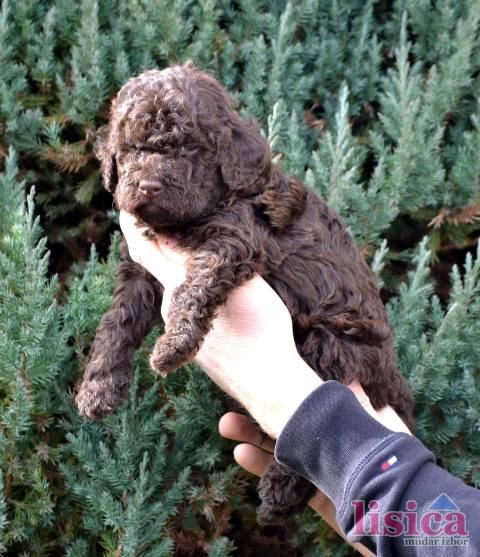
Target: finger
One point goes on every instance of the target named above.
(252, 459)
(239, 428)
(166, 243)
(166, 299)
(160, 257)
(130, 227)
(141, 249)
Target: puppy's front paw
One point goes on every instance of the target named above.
(171, 351)
(99, 397)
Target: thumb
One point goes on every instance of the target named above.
(159, 256)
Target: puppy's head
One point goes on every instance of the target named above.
(175, 148)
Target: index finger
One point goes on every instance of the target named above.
(239, 428)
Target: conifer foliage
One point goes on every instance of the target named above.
(373, 104)
(140, 484)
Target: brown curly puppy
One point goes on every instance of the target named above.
(179, 157)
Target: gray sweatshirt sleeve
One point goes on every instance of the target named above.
(389, 493)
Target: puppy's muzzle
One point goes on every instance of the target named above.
(150, 188)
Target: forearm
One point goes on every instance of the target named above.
(358, 462)
(249, 385)
(330, 439)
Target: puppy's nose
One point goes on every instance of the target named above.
(150, 187)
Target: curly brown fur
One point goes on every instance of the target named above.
(178, 156)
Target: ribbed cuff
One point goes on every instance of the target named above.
(328, 438)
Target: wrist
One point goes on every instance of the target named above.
(269, 385)
(291, 381)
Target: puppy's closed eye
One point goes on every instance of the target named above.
(189, 150)
(140, 149)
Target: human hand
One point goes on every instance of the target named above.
(250, 352)
(255, 455)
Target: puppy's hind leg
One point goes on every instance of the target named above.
(282, 493)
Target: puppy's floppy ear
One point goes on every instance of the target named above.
(244, 156)
(283, 199)
(106, 156)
